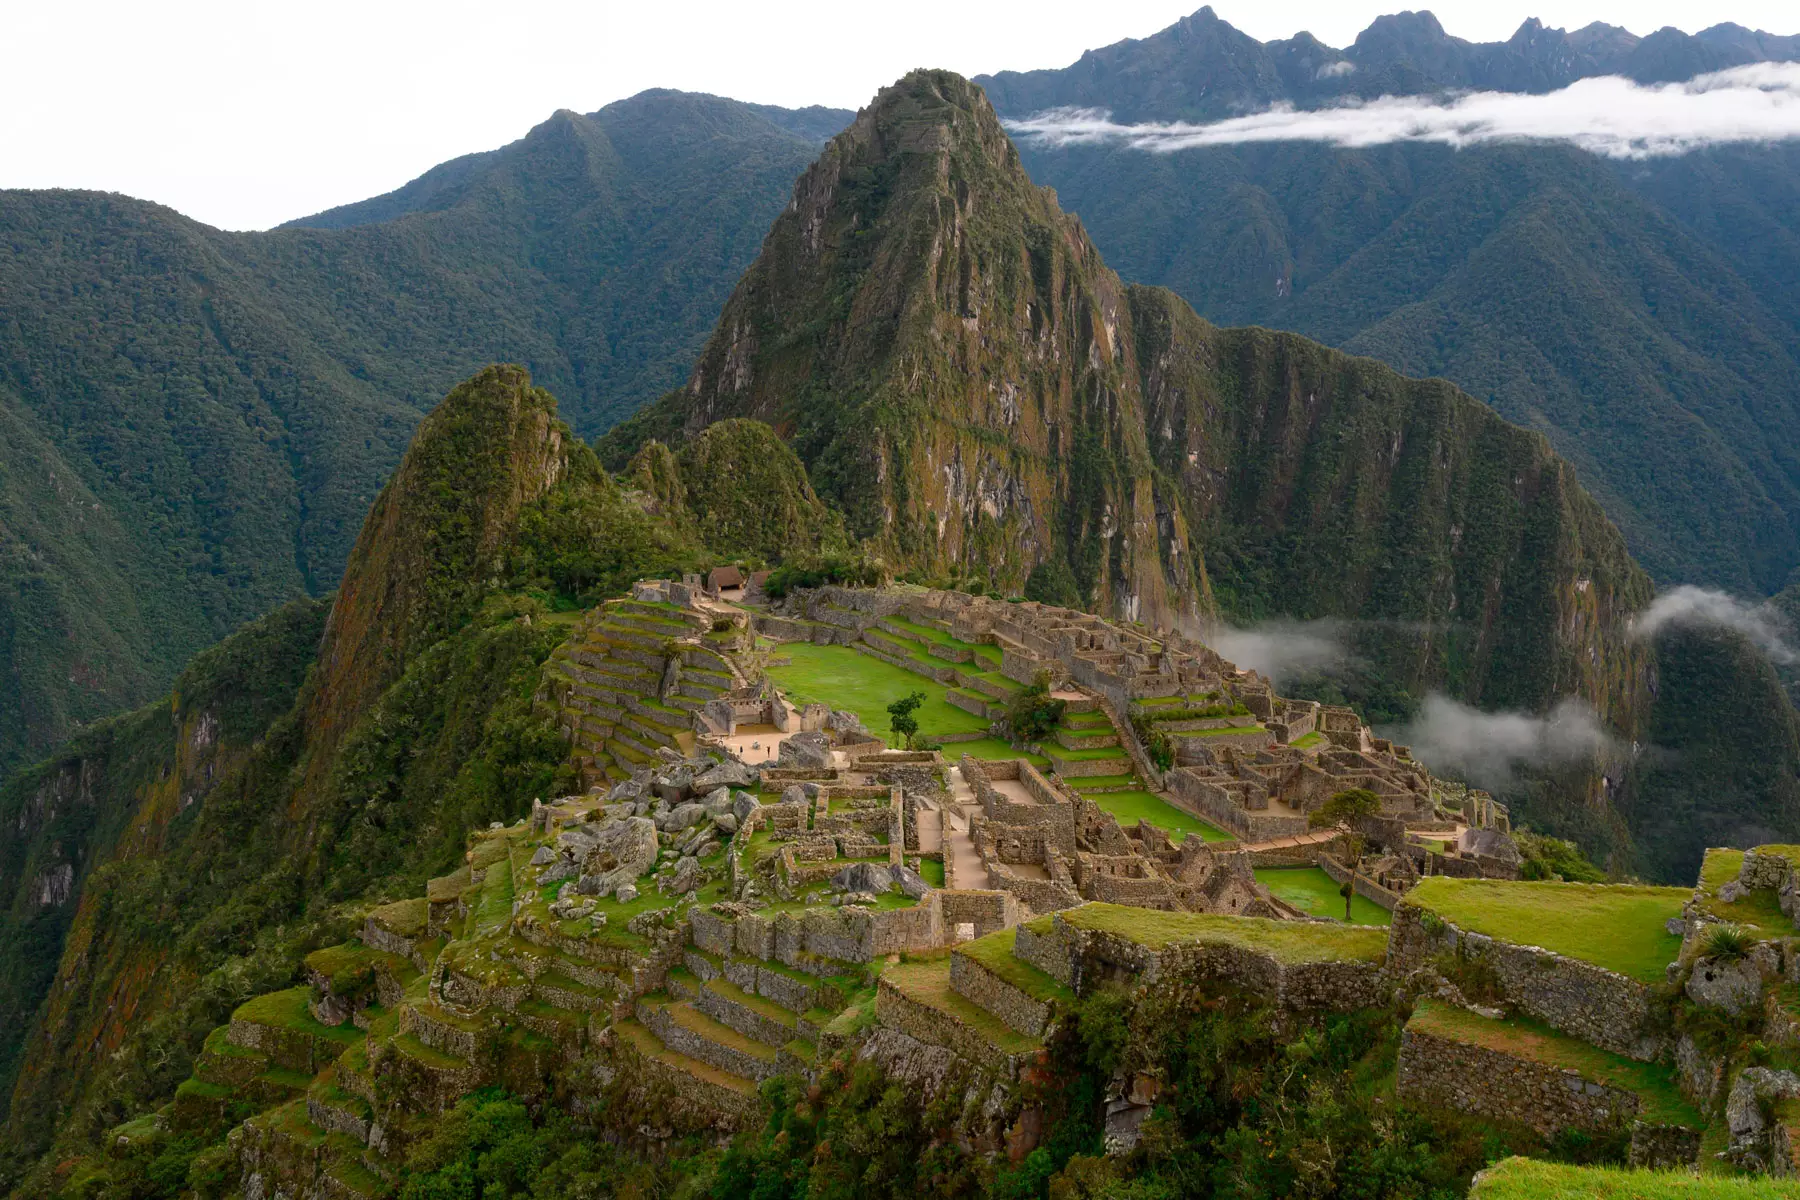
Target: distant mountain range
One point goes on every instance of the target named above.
(193, 422)
(1644, 315)
(1202, 69)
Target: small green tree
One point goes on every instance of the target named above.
(901, 719)
(1032, 713)
(1343, 811)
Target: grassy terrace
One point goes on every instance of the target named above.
(1533, 1179)
(1315, 893)
(1760, 911)
(995, 952)
(1128, 807)
(1527, 1039)
(927, 981)
(288, 1010)
(1616, 926)
(1285, 941)
(845, 679)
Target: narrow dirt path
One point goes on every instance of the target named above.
(962, 866)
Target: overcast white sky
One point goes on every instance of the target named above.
(247, 113)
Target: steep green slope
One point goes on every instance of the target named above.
(196, 421)
(950, 359)
(113, 793)
(1640, 315)
(212, 836)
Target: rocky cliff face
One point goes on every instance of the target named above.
(952, 361)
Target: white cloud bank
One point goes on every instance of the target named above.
(1607, 115)
(1282, 649)
(1693, 606)
(1490, 749)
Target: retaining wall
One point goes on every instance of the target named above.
(1601, 1007)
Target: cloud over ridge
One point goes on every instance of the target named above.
(1605, 115)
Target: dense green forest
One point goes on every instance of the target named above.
(192, 423)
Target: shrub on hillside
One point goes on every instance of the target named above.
(1031, 714)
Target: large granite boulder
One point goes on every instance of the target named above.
(910, 882)
(742, 805)
(682, 816)
(1732, 985)
(863, 877)
(718, 801)
(620, 852)
(675, 784)
(806, 751)
(730, 773)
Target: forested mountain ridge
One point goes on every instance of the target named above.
(1640, 314)
(195, 421)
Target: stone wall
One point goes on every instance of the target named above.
(1018, 1010)
(1437, 1072)
(1598, 1006)
(1084, 958)
(1210, 801)
(1367, 888)
(987, 910)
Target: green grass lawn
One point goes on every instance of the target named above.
(1536, 1042)
(931, 870)
(995, 952)
(1616, 926)
(1760, 911)
(1314, 893)
(1129, 807)
(1533, 1179)
(844, 679)
(1309, 741)
(1285, 941)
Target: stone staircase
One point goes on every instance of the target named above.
(628, 682)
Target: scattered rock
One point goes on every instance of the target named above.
(688, 876)
(726, 822)
(863, 877)
(742, 805)
(682, 816)
(911, 882)
(727, 774)
(627, 893)
(542, 855)
(621, 851)
(791, 794)
(1733, 986)
(718, 801)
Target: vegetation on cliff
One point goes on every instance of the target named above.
(415, 721)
